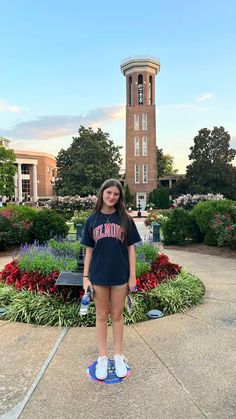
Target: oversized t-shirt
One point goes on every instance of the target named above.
(110, 262)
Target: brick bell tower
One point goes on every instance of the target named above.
(141, 166)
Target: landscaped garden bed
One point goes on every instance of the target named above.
(207, 219)
(29, 294)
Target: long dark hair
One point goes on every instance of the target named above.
(125, 218)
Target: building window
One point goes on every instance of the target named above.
(145, 173)
(136, 121)
(144, 141)
(25, 169)
(150, 91)
(130, 92)
(137, 173)
(144, 121)
(26, 189)
(136, 146)
(48, 169)
(140, 89)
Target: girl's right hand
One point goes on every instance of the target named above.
(86, 284)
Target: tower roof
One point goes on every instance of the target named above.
(140, 63)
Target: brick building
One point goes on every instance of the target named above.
(141, 169)
(35, 175)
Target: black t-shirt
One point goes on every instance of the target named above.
(110, 262)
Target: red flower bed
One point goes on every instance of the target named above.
(161, 270)
(31, 281)
(36, 282)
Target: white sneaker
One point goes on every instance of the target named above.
(101, 368)
(120, 365)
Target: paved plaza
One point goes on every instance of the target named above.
(183, 365)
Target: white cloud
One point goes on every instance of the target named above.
(183, 105)
(205, 96)
(53, 126)
(233, 141)
(9, 108)
(192, 105)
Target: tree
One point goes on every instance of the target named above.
(7, 171)
(128, 197)
(160, 197)
(165, 164)
(211, 169)
(90, 160)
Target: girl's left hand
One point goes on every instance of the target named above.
(132, 283)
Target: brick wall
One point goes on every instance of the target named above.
(150, 133)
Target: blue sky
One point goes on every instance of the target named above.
(60, 67)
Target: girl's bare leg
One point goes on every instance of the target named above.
(117, 301)
(101, 296)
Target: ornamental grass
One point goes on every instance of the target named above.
(43, 309)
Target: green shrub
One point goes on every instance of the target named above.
(142, 267)
(160, 197)
(13, 230)
(65, 248)
(177, 295)
(128, 197)
(43, 262)
(203, 214)
(23, 211)
(149, 251)
(180, 228)
(48, 224)
(26, 215)
(80, 217)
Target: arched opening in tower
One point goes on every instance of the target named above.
(140, 89)
(130, 92)
(150, 91)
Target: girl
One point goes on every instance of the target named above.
(109, 266)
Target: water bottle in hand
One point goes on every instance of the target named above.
(85, 301)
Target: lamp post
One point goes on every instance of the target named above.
(139, 208)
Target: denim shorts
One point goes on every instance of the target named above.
(119, 286)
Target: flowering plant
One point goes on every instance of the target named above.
(189, 201)
(37, 282)
(32, 281)
(72, 203)
(161, 270)
(224, 225)
(156, 216)
(13, 230)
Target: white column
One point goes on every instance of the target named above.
(15, 187)
(19, 197)
(35, 184)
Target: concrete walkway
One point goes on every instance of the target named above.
(183, 365)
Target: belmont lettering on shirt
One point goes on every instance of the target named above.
(108, 230)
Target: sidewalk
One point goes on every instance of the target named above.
(183, 365)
